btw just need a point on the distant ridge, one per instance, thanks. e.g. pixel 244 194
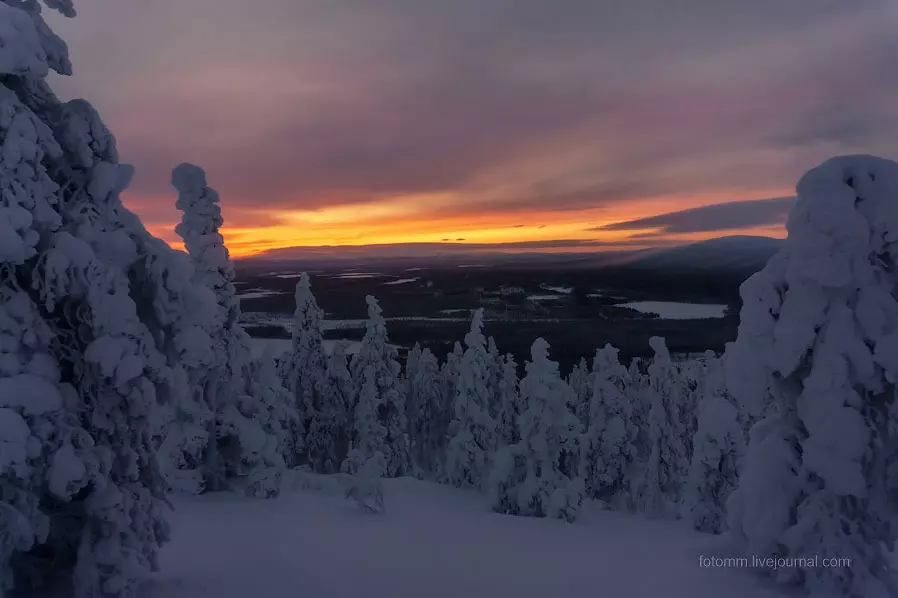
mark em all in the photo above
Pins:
pixel 732 254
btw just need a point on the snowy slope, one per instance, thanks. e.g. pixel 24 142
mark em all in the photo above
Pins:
pixel 434 542
pixel 723 254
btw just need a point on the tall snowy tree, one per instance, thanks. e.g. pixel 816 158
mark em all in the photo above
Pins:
pixel 449 374
pixel 581 382
pixel 610 443
pixel 719 446
pixel 319 403
pixel 472 431
pixel 82 373
pixel 379 420
pixel 339 383
pixel 428 421
pixel 228 453
pixel 509 403
pixel 495 365
pixel 667 457
pixel 533 477
pixel 817 357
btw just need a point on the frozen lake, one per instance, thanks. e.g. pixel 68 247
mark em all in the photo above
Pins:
pixel 671 310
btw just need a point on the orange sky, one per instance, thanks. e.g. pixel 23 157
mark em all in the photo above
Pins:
pixel 417 219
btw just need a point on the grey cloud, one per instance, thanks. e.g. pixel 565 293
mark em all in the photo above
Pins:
pixel 715 217
pixel 297 103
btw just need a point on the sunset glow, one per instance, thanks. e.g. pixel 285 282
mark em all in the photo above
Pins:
pixel 471 123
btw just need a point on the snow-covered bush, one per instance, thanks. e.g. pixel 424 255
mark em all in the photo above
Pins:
pixel 472 431
pixel 719 445
pixel 817 357
pixel 534 477
pixel 366 488
pixel 379 419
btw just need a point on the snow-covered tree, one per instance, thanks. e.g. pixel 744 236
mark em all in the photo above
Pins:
pixel 69 253
pixel 817 357
pixel 472 431
pixel 581 382
pixel 509 403
pixel 339 383
pixel 495 363
pixel 428 420
pixel 379 421
pixel 449 374
pixel 270 407
pixel 719 445
pixel 320 404
pixel 667 457
pixel 227 382
pixel 534 476
pixel 610 442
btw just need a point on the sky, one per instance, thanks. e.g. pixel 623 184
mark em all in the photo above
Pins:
pixel 515 124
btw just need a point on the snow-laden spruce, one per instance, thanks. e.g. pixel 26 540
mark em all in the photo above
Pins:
pixel 611 441
pixel 235 440
pixel 718 448
pixel 323 415
pixel 537 475
pixel 509 402
pixel 817 355
pixel 82 372
pixel 580 380
pixel 428 414
pixel 669 451
pixel 472 431
pixel 379 419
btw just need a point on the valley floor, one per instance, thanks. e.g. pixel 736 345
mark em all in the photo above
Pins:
pixel 432 542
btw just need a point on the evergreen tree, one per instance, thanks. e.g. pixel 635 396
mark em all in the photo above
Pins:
pixel 610 442
pixel 719 447
pixel 471 431
pixel 234 439
pixel 81 373
pixel 320 404
pixel 428 422
pixel 380 397
pixel 533 477
pixel 667 457
pixel 510 403
pixel 339 383
pixel 816 358
pixel 581 382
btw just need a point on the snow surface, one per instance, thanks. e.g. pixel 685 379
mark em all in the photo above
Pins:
pixel 278 346
pixel 358 275
pixel 544 297
pixel 562 290
pixel 258 293
pixel 432 541
pixel 672 310
pixel 401 281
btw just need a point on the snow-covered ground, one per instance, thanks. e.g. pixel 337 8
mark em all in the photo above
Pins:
pixel 432 542
pixel 544 297
pixel 562 290
pixel 279 346
pixel 671 310
pixel 401 281
pixel 258 293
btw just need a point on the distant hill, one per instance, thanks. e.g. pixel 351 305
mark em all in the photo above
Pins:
pixel 738 254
